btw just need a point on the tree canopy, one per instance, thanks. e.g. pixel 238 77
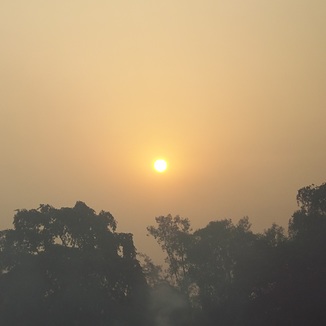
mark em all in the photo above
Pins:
pixel 70 266
pixel 233 276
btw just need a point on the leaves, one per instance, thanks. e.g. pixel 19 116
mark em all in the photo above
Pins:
pixel 173 235
pixel 71 260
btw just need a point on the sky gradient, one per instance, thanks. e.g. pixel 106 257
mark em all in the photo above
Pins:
pixel 231 93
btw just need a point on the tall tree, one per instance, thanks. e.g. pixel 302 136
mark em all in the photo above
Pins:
pixel 218 261
pixel 307 259
pixel 173 234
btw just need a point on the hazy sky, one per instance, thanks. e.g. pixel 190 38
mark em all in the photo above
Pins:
pixel 232 93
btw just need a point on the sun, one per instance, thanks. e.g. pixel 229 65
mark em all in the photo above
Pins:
pixel 160 165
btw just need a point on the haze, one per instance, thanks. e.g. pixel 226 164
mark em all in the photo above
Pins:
pixel 231 93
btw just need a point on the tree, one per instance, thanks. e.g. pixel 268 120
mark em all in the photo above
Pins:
pixel 69 266
pixel 173 235
pixel 207 264
pixel 307 259
pixel 153 273
pixel 218 260
pixel 229 272
pixel 311 217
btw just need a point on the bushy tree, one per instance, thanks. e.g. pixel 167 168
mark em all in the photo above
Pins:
pixel 307 260
pixel 69 266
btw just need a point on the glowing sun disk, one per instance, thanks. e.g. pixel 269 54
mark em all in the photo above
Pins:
pixel 160 165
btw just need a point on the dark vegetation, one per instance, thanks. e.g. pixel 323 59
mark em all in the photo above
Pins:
pixel 69 266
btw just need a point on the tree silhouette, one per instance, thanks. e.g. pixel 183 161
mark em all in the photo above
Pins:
pixel 307 259
pixel 68 266
pixel 233 276
pixel 173 235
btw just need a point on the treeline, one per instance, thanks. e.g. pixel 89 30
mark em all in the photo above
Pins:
pixel 70 266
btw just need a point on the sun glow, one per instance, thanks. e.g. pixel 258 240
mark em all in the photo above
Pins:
pixel 160 165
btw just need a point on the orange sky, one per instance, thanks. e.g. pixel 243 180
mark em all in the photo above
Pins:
pixel 232 93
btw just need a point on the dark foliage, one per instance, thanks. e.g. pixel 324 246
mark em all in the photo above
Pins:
pixel 232 276
pixel 68 266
